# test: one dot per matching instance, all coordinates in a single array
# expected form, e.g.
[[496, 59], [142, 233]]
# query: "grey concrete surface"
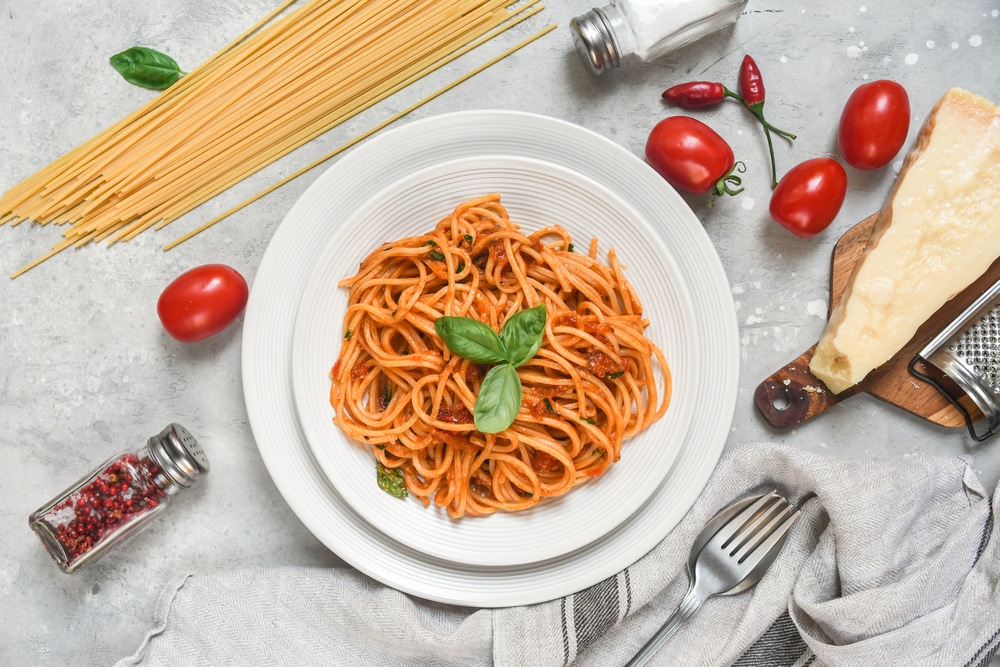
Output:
[[87, 370]]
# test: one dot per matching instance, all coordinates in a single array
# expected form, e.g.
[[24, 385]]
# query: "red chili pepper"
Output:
[[695, 94], [751, 84], [752, 91]]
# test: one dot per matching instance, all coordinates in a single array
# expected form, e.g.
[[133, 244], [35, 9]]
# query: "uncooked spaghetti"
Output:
[[397, 388], [283, 83]]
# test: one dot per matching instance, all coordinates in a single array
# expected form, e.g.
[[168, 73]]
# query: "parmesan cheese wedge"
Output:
[[938, 231]]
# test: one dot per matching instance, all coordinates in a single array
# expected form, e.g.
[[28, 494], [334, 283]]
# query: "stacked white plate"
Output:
[[548, 172]]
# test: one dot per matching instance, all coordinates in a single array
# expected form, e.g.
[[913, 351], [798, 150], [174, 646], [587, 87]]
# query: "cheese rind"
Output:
[[938, 231]]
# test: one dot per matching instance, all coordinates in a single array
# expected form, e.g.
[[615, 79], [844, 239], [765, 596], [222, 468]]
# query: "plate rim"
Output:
[[550, 535], [292, 470]]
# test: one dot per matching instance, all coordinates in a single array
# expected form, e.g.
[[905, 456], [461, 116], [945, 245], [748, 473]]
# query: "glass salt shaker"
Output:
[[118, 498], [647, 29]]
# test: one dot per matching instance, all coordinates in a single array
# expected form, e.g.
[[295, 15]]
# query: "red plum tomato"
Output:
[[874, 124], [691, 156], [809, 196], [202, 302]]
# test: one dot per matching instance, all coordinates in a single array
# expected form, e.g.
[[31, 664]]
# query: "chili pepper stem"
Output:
[[770, 150], [736, 96], [772, 128], [758, 112]]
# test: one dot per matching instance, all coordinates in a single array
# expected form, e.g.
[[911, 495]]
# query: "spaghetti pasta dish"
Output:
[[397, 387]]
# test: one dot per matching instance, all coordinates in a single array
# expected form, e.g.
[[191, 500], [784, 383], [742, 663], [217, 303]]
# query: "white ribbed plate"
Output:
[[536, 194], [289, 262]]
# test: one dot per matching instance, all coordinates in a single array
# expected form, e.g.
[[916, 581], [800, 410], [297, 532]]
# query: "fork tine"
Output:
[[762, 528], [756, 523], [772, 543], [735, 525]]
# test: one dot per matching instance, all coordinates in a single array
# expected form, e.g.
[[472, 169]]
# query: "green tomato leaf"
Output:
[[147, 67], [499, 399], [390, 480], [470, 339], [522, 334]]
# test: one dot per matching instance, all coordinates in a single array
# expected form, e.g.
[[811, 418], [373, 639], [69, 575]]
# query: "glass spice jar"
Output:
[[647, 29], [118, 498]]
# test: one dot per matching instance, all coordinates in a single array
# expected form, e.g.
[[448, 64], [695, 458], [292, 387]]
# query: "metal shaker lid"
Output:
[[595, 41], [179, 455]]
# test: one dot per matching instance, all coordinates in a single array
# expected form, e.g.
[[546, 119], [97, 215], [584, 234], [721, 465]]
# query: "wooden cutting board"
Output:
[[792, 395]]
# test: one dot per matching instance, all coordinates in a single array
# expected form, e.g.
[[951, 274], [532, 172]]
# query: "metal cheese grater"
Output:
[[968, 352]]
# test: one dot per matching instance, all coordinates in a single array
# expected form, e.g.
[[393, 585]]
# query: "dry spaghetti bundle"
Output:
[[283, 83], [397, 387]]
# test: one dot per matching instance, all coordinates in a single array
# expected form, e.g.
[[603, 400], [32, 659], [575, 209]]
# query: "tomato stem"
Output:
[[730, 184]]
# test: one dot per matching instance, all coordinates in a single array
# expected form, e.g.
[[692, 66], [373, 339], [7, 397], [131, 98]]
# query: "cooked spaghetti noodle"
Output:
[[397, 388]]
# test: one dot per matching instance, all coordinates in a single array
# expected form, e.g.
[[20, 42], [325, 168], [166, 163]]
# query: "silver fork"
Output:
[[731, 553]]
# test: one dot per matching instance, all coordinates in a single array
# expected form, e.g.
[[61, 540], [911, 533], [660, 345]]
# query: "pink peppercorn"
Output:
[[119, 497]]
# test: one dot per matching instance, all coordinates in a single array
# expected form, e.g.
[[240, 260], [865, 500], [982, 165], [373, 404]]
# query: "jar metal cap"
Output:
[[595, 41], [179, 455]]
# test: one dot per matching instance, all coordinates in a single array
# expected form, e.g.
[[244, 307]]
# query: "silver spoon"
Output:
[[731, 553]]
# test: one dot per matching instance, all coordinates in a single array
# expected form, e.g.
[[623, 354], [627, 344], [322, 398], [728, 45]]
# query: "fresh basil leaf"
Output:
[[499, 399], [391, 481], [470, 339], [147, 67], [522, 334]]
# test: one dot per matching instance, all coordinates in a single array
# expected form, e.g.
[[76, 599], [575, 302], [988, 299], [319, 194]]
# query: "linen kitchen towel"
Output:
[[893, 562]]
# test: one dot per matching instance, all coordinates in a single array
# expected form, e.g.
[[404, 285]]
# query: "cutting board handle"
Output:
[[793, 394]]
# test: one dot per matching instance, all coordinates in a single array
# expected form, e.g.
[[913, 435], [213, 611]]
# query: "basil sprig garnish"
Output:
[[499, 399], [471, 339], [147, 67], [500, 394], [521, 336]]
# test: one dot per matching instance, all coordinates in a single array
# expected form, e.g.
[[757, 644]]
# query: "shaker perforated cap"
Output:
[[595, 41], [179, 455]]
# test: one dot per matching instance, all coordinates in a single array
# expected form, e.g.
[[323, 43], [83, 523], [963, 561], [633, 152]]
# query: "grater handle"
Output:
[[970, 423]]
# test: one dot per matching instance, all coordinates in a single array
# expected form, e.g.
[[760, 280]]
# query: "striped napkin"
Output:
[[893, 562]]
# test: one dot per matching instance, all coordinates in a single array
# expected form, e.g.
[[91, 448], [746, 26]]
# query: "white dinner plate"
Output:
[[313, 223], [536, 194]]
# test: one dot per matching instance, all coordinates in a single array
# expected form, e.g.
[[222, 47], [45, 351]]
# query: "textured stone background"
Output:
[[87, 370]]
